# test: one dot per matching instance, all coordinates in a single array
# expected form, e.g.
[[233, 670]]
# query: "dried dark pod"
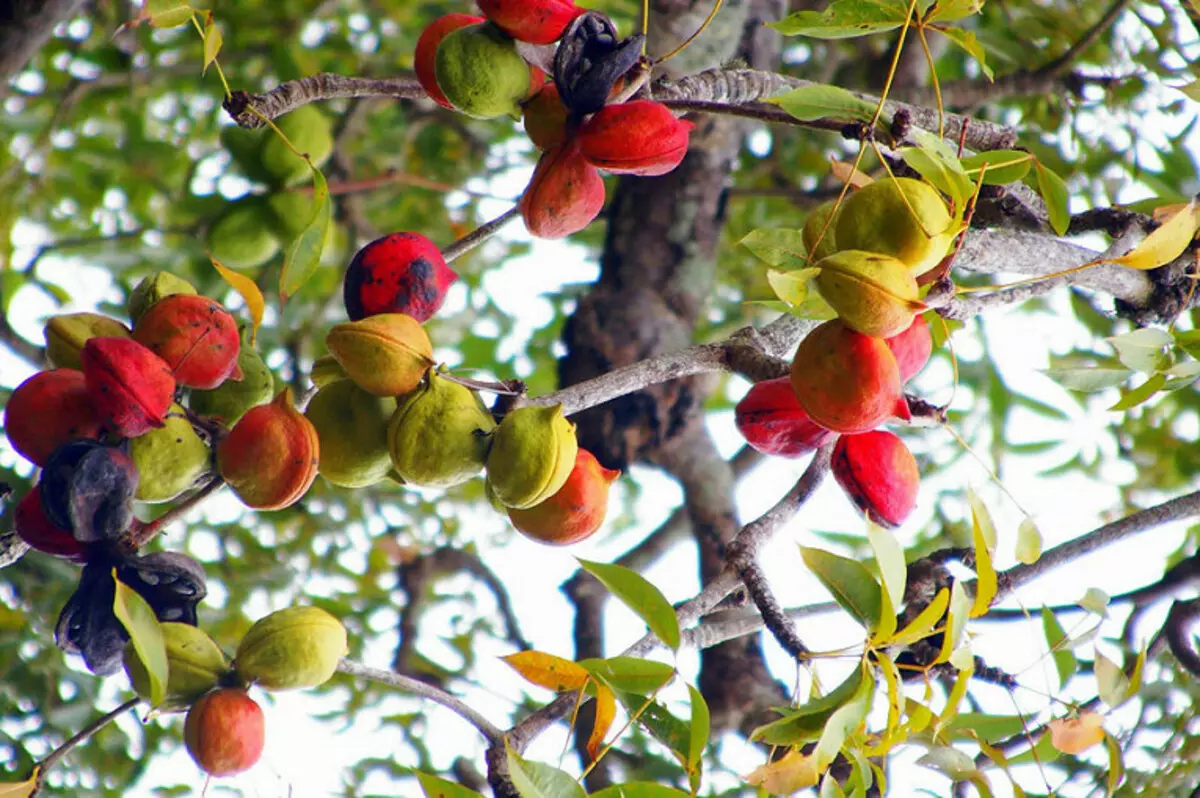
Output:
[[101, 493], [590, 60], [172, 584], [55, 484], [87, 625]]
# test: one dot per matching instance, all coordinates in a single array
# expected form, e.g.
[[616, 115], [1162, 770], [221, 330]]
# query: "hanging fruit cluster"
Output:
[[848, 374]]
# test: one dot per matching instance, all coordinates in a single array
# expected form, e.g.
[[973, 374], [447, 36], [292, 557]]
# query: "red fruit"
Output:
[[47, 410], [224, 732], [36, 529], [641, 137], [847, 381], [427, 46], [912, 348], [270, 457], [131, 387], [565, 194], [772, 421], [546, 118], [879, 474], [576, 511], [533, 21], [196, 336], [399, 273]]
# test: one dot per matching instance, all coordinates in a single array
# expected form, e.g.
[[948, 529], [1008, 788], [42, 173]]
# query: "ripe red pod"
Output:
[[641, 137], [912, 348], [36, 529], [533, 21], [546, 118], [225, 731], [575, 511], [427, 45], [879, 474], [196, 336], [399, 273], [130, 386], [47, 410], [564, 195], [270, 457], [772, 421]]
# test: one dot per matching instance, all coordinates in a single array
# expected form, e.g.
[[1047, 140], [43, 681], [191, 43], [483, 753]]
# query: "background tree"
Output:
[[116, 167]]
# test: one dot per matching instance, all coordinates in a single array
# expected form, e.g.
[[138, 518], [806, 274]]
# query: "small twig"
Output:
[[504, 387], [781, 627], [86, 732], [462, 246], [142, 535]]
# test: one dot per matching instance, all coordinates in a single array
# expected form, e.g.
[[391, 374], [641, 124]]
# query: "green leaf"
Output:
[[1143, 349], [1112, 684], [1054, 191], [1141, 393], [639, 789], [1065, 662], [850, 583], [938, 163], [966, 40], [978, 726], [952, 10], [698, 734], [1088, 380], [984, 542], [539, 780], [1003, 166], [435, 787], [1116, 764], [1095, 601], [166, 13], [791, 287], [821, 101], [804, 723], [844, 721], [640, 596], [1192, 89], [1181, 375], [212, 42], [845, 19], [304, 254], [956, 764], [777, 247], [629, 674], [139, 621], [20, 789]]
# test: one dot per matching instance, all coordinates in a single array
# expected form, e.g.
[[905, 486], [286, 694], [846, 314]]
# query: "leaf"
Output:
[[820, 101], [606, 710], [922, 626], [698, 732], [966, 40], [850, 583], [1076, 735], [979, 726], [984, 541], [1181, 375], [952, 10], [844, 19], [139, 621], [640, 596], [251, 295], [939, 167], [1088, 380], [165, 13], [791, 287], [304, 254], [1116, 766], [1143, 349], [213, 39], [539, 780], [1004, 166], [956, 764], [546, 670], [777, 247], [630, 674], [20, 789], [805, 722], [1111, 682], [830, 788], [791, 772], [639, 789], [1029, 542], [1192, 90], [890, 556], [435, 787], [956, 620], [1095, 601], [1143, 392], [842, 723], [1166, 243], [848, 173], [1065, 662], [1054, 191]]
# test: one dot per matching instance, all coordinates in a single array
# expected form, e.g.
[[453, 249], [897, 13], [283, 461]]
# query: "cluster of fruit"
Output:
[[473, 64], [848, 373]]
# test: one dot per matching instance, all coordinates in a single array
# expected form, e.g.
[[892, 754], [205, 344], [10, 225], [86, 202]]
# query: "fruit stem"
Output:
[[708, 21], [142, 535], [462, 246], [504, 387]]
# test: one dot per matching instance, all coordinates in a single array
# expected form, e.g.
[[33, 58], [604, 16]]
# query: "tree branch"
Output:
[[25, 25], [85, 733], [480, 234], [291, 94]]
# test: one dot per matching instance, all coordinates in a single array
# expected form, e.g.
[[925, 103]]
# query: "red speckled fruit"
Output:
[[196, 336], [427, 46], [131, 387], [31, 523], [224, 732], [879, 474], [270, 457], [565, 194], [576, 511], [772, 421], [533, 21], [641, 137], [47, 410], [399, 273], [912, 348]]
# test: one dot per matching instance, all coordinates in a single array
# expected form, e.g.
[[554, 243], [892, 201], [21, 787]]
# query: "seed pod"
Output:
[[823, 218], [311, 132], [153, 288], [912, 348], [36, 529], [67, 333], [386, 354], [481, 73], [130, 386], [399, 273], [351, 427], [564, 195], [326, 370], [533, 453], [641, 137], [546, 118], [901, 217], [87, 625], [879, 474], [241, 236], [426, 52], [772, 421], [533, 21], [576, 511], [100, 494], [847, 381], [55, 485], [224, 732], [197, 338], [270, 457], [292, 648], [47, 410], [439, 434], [171, 582], [230, 400], [194, 666], [170, 459], [873, 294]]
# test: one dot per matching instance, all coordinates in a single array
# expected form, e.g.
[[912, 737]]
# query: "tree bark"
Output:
[[25, 25]]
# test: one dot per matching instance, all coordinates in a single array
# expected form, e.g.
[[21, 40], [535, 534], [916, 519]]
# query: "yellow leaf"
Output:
[[794, 771], [606, 710], [846, 173], [250, 294], [1076, 735], [922, 626], [21, 789], [1166, 243], [1029, 542], [546, 670]]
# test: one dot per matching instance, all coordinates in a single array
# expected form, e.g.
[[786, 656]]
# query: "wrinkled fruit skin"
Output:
[[876, 218], [912, 348], [533, 452], [546, 118], [229, 401], [171, 582], [533, 21], [872, 293], [66, 335], [879, 474], [311, 132], [641, 137], [57, 474], [31, 523], [823, 218], [399, 273], [386, 354], [47, 410], [196, 337], [564, 195], [426, 52], [440, 434], [131, 387], [241, 237], [224, 732], [846, 381], [194, 665], [351, 427], [481, 73], [293, 648], [772, 421], [87, 625], [270, 457], [100, 494], [170, 459], [576, 511], [153, 288]]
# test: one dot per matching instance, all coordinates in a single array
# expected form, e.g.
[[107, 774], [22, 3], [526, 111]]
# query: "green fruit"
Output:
[[874, 294], [170, 459], [351, 429], [67, 333], [533, 452], [153, 288], [820, 219], [309, 131], [194, 665], [245, 145], [292, 648], [241, 237], [326, 370], [481, 73], [229, 401], [440, 433], [901, 217], [291, 211]]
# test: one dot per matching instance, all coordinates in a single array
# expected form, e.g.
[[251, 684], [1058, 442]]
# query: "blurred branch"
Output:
[[55, 756], [32, 353], [462, 246], [291, 94], [140, 536], [25, 25]]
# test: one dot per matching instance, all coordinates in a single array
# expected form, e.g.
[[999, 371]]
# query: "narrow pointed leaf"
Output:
[[1003, 166], [1141, 393], [970, 44], [546, 670], [435, 787], [824, 102], [213, 39], [805, 722], [304, 254], [952, 10], [539, 780], [139, 621], [845, 19], [1088, 380], [640, 596], [984, 540], [850, 583], [1054, 191], [698, 731], [1065, 662], [923, 625], [629, 674], [1111, 682], [956, 620], [1167, 242], [606, 711], [250, 293], [639, 789]]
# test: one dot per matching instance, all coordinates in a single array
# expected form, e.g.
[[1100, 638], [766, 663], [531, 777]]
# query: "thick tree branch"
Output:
[[84, 734], [774, 618]]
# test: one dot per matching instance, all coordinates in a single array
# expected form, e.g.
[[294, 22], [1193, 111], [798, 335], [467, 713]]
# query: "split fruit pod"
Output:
[[912, 348], [35, 528], [533, 452], [398, 273], [480, 72], [532, 21], [901, 217], [271, 455], [440, 434], [47, 410], [872, 293], [641, 137], [67, 333], [224, 732], [170, 459], [772, 421], [351, 427], [575, 512], [386, 354], [879, 474], [564, 195], [426, 52], [195, 664], [131, 387], [846, 381], [196, 337], [291, 648]]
